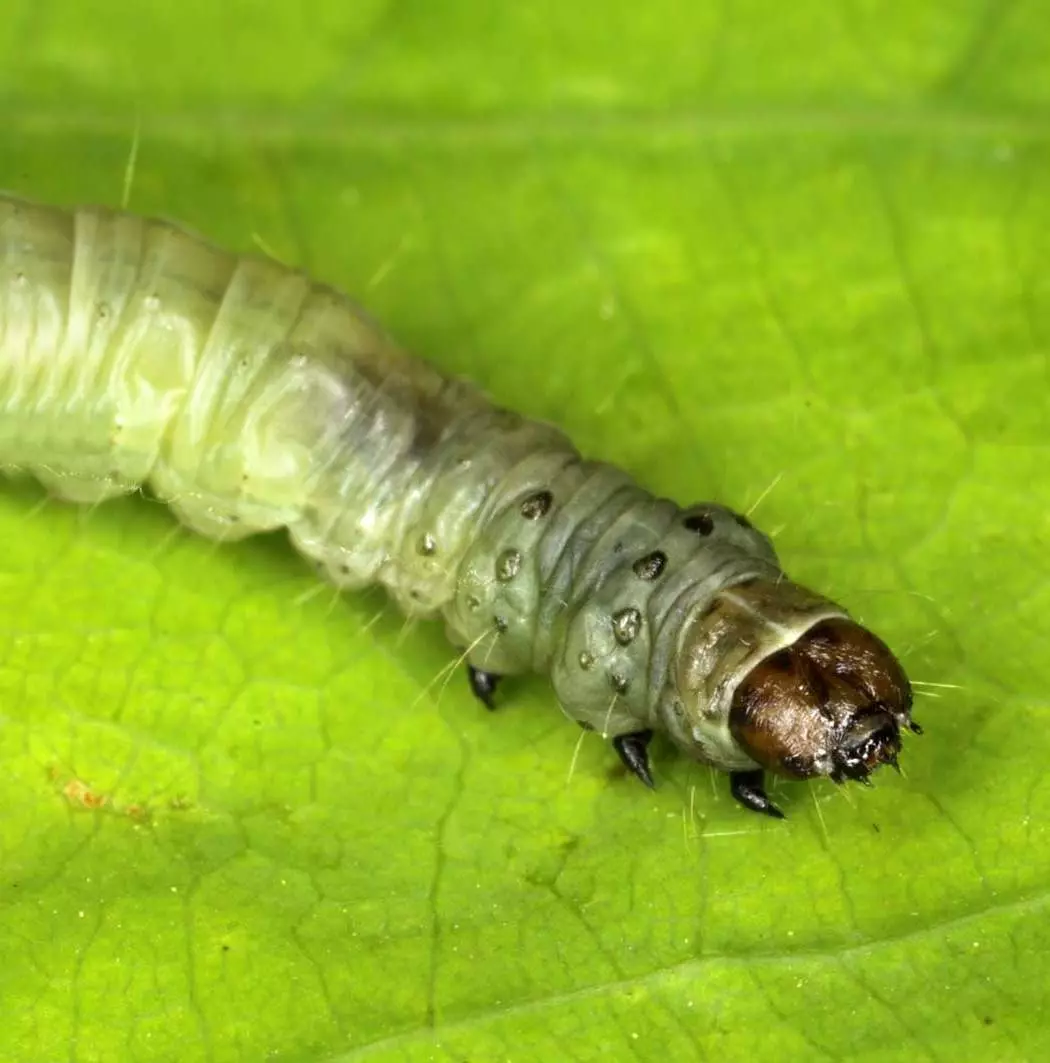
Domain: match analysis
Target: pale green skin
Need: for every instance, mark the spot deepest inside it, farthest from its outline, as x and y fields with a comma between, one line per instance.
x=249, y=397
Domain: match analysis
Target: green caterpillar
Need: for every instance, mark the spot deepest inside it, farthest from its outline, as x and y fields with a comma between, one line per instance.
x=249, y=397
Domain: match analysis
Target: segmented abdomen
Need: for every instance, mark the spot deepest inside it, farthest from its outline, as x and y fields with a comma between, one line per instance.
x=242, y=393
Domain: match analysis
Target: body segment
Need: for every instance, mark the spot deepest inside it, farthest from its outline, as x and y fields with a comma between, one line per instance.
x=249, y=397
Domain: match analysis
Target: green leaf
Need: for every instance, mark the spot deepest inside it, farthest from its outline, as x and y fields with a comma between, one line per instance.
x=726, y=246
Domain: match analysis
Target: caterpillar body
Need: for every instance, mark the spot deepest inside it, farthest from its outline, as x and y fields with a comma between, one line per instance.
x=250, y=397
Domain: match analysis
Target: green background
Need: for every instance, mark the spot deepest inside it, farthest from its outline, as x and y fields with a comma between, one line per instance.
x=721, y=244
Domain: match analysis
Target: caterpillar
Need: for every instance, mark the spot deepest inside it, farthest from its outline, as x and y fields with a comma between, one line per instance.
x=135, y=355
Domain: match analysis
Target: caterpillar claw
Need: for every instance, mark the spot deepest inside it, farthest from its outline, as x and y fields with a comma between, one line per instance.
x=483, y=685
x=633, y=751
x=749, y=789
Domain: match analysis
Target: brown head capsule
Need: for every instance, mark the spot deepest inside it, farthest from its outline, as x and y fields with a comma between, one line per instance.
x=831, y=704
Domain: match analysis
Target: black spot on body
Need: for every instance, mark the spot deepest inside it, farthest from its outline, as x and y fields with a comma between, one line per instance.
x=651, y=566
x=700, y=523
x=619, y=683
x=537, y=505
x=501, y=623
x=508, y=565
x=626, y=625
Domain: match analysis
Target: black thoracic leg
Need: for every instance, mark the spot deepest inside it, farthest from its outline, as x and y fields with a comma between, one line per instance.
x=748, y=788
x=633, y=751
x=483, y=685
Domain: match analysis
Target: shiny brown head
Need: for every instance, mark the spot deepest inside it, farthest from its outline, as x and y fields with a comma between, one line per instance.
x=832, y=704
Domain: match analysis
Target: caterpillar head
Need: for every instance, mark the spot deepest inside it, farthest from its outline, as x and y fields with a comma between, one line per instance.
x=832, y=704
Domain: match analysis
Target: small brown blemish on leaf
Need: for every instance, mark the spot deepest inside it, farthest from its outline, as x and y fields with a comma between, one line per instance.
x=80, y=795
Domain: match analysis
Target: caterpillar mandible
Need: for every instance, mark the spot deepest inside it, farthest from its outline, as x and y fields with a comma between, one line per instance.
x=249, y=397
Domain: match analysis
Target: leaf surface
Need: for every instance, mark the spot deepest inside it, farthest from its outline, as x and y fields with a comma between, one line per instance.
x=727, y=247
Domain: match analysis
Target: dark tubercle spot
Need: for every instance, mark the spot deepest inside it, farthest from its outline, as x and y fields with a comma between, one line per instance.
x=700, y=523
x=619, y=683
x=651, y=566
x=501, y=624
x=537, y=505
x=626, y=625
x=586, y=660
x=508, y=565
x=427, y=545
